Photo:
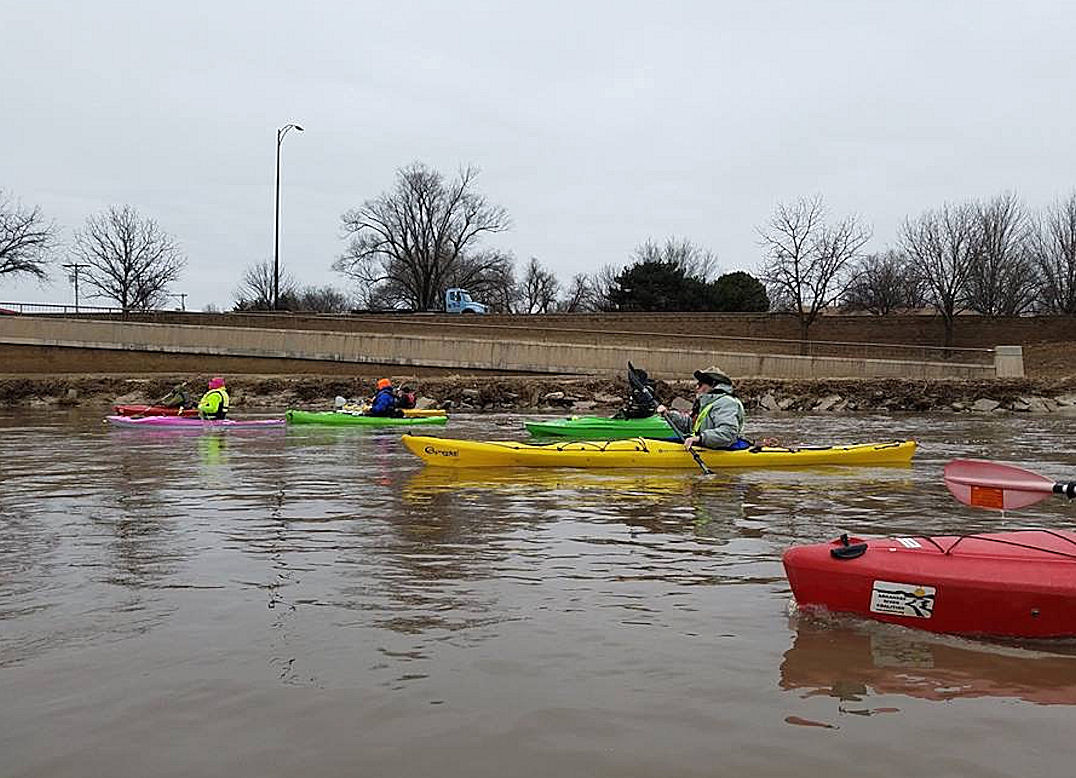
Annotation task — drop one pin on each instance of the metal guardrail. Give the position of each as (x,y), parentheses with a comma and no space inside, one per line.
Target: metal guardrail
(55,308)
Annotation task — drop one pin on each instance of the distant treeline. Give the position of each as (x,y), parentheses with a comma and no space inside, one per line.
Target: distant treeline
(406,246)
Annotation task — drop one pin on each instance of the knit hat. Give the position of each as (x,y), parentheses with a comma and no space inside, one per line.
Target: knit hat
(383,383)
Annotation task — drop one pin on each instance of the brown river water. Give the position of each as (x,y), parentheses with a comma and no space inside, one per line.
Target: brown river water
(314,602)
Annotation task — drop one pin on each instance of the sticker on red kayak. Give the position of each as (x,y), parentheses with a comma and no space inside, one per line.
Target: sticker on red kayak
(898,599)
(987,497)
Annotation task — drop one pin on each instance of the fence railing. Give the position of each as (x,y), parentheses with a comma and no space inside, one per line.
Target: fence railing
(55,308)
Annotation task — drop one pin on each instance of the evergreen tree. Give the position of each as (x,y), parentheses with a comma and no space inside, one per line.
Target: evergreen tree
(740,291)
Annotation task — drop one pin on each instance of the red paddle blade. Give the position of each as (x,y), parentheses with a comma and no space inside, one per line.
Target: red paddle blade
(995,485)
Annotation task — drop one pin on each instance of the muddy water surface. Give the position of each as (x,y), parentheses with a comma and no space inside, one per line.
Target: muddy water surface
(313,602)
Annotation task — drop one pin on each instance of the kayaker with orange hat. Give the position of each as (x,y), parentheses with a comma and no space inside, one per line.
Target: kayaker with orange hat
(717,416)
(384,402)
(214,403)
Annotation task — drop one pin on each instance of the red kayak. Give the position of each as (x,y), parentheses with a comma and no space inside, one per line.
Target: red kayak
(1003,584)
(152,410)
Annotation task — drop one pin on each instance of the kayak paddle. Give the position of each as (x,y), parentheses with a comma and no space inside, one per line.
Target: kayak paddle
(160,400)
(997,486)
(639,383)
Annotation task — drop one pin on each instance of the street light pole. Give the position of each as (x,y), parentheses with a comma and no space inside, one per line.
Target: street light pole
(74,267)
(276,221)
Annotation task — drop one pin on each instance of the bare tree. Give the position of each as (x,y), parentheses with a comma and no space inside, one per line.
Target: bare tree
(941,247)
(538,289)
(695,261)
(884,283)
(806,269)
(317,299)
(255,292)
(489,276)
(26,239)
(579,296)
(1055,257)
(602,285)
(412,240)
(1003,280)
(131,260)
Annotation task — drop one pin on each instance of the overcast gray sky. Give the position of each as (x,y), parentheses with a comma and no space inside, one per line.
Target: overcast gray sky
(596,124)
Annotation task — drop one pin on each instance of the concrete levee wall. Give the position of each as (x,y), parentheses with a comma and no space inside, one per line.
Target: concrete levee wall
(451,352)
(970,331)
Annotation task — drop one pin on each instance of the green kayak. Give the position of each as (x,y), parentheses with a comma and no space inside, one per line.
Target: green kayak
(343,418)
(601,428)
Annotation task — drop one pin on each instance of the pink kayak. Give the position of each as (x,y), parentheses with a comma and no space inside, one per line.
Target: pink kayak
(181,422)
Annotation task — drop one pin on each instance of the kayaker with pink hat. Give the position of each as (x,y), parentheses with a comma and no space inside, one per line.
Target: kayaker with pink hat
(214,403)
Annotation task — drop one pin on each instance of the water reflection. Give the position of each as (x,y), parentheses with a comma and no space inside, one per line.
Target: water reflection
(139,544)
(213,450)
(673,500)
(430,481)
(855,662)
(652,501)
(98,525)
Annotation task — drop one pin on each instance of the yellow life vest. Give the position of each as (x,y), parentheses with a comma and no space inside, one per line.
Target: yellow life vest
(214,403)
(704,412)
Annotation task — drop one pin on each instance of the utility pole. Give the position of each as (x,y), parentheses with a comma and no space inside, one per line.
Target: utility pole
(74,267)
(182,300)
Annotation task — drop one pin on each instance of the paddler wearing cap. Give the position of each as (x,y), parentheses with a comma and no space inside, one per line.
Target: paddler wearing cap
(214,403)
(717,416)
(384,402)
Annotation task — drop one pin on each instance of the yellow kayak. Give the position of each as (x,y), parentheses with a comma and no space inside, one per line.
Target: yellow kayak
(644,453)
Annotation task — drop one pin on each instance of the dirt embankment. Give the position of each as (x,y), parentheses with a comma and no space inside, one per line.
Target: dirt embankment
(544,393)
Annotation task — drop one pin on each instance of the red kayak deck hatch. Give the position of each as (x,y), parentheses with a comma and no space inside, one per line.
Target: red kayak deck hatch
(1006,584)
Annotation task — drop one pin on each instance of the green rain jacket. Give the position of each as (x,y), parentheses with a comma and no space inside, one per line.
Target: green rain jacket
(214,404)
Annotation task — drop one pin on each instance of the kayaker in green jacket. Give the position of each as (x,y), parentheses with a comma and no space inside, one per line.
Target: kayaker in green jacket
(214,403)
(717,416)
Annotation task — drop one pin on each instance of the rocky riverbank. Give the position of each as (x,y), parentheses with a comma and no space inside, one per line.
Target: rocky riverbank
(545,394)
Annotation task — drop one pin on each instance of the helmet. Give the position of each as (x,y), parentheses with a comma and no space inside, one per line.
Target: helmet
(216,382)
(383,383)
(712,376)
